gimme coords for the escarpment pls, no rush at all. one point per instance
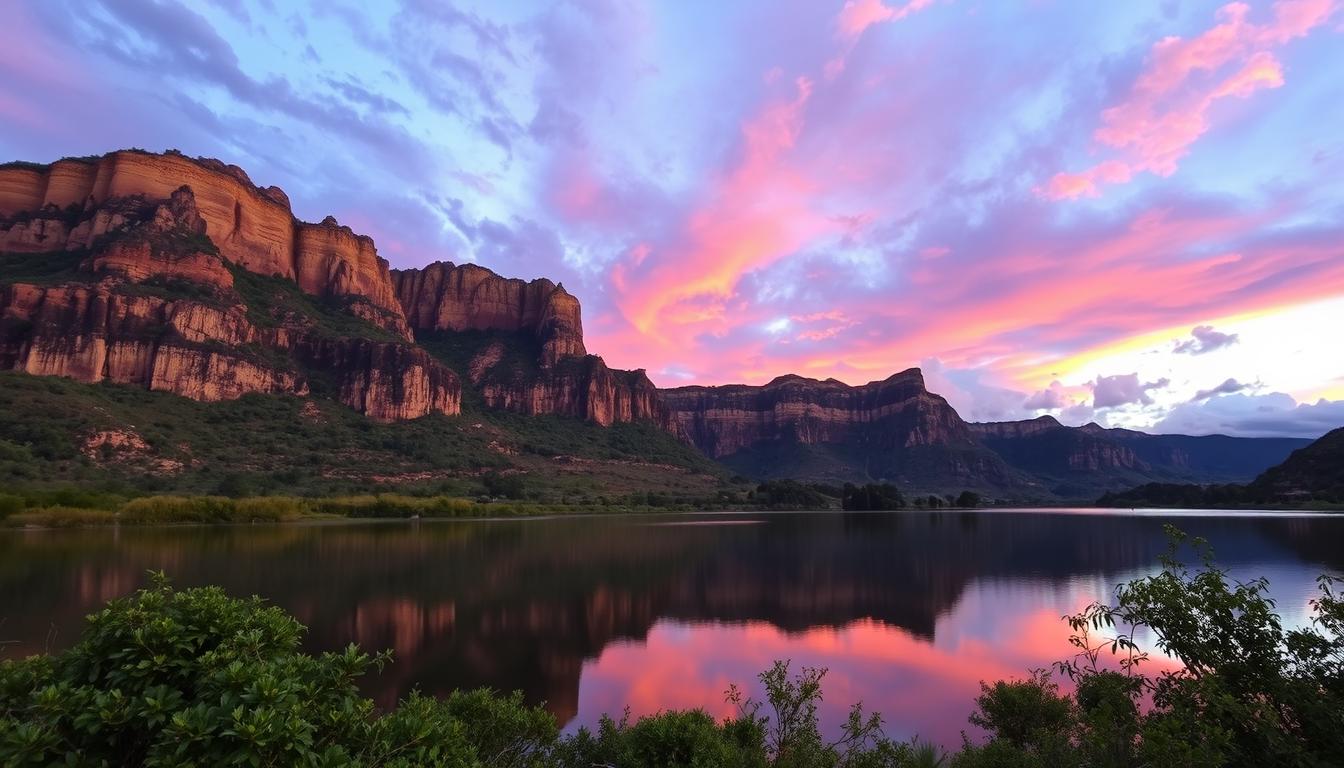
(252, 227)
(893, 430)
(448, 297)
(150, 254)
(725, 419)
(583, 387)
(137, 293)
(532, 359)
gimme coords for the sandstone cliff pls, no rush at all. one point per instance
(447, 297)
(893, 430)
(151, 301)
(251, 227)
(583, 387)
(723, 420)
(538, 320)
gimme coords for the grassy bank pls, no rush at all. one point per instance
(163, 510)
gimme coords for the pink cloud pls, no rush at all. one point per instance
(758, 212)
(858, 15)
(1168, 107)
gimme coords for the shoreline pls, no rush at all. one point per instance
(60, 518)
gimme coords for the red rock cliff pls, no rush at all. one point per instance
(723, 420)
(444, 297)
(252, 227)
(447, 297)
(153, 304)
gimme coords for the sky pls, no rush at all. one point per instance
(1123, 212)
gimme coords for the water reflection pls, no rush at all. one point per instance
(909, 611)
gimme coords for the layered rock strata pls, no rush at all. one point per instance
(153, 304)
(444, 297)
(447, 297)
(583, 387)
(251, 226)
(726, 419)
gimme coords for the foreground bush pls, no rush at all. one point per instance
(1249, 692)
(194, 677)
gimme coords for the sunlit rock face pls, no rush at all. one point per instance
(133, 290)
(448, 297)
(251, 226)
(546, 320)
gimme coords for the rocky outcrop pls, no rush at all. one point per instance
(893, 430)
(447, 297)
(386, 381)
(95, 333)
(153, 304)
(537, 319)
(583, 387)
(726, 419)
(251, 227)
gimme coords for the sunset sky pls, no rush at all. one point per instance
(1127, 212)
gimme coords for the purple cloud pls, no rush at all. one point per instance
(1231, 386)
(1204, 339)
(1123, 389)
(1275, 414)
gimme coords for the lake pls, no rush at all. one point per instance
(908, 611)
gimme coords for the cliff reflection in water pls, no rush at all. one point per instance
(910, 611)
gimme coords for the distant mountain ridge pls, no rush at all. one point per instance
(896, 431)
(1310, 475)
(1083, 462)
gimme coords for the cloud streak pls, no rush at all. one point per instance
(840, 190)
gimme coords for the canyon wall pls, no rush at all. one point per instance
(539, 315)
(448, 297)
(1119, 458)
(726, 419)
(251, 226)
(582, 387)
(893, 431)
(154, 304)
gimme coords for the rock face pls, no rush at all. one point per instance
(724, 420)
(546, 320)
(446, 297)
(1048, 445)
(153, 303)
(892, 430)
(583, 387)
(252, 227)
(197, 219)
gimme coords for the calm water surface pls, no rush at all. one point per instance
(909, 611)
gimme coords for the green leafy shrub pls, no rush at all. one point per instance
(194, 677)
(1249, 692)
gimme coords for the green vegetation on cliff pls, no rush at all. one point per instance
(124, 440)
